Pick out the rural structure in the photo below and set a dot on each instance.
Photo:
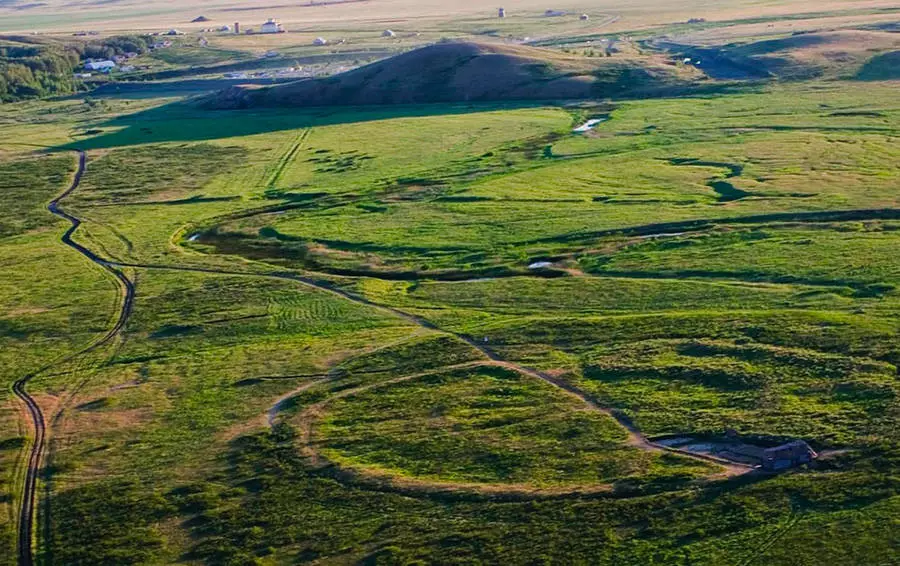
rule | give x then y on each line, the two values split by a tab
271	26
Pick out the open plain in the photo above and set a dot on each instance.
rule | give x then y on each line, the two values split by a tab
495	298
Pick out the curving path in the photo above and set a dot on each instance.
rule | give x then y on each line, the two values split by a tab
415	487
27	510
635	438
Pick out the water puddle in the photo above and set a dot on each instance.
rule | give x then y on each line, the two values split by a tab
589	125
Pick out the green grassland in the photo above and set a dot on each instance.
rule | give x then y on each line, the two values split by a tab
706	386
668	166
484	426
335	345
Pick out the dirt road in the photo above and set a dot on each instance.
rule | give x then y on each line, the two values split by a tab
635	438
27	510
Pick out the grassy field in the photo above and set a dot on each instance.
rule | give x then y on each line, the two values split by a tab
449	333
484	426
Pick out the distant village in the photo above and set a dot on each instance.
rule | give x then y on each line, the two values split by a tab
120	63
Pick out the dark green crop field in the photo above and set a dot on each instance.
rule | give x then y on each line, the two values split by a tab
454	333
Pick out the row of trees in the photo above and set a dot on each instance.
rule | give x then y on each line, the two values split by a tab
36	67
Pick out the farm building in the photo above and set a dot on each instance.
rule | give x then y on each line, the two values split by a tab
775	459
788	455
554	13
748	452
271	26
388	33
100	65
501	13
584	17
320	41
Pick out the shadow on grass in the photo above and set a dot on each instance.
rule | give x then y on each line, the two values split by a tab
884	67
185	121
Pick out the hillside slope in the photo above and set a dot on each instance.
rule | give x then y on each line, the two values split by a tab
835	54
824	54
463	72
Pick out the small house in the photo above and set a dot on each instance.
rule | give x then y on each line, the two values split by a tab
271	26
388	33
501	13
554	13
320	41
584	17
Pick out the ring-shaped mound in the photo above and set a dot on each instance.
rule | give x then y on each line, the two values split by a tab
486	425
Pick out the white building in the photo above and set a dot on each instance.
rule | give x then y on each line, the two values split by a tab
271	26
320	41
388	33
100	65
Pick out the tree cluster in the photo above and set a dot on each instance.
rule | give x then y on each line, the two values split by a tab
34	67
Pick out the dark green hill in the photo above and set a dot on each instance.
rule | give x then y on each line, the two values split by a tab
463	72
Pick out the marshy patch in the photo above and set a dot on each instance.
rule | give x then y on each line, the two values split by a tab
176	330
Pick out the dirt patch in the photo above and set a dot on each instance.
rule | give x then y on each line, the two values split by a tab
81	421
24	311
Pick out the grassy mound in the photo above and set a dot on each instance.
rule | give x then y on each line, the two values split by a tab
461	72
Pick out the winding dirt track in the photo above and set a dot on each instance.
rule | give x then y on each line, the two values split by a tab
28	507
635	438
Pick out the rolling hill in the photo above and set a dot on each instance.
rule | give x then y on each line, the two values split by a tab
829	54
464	72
